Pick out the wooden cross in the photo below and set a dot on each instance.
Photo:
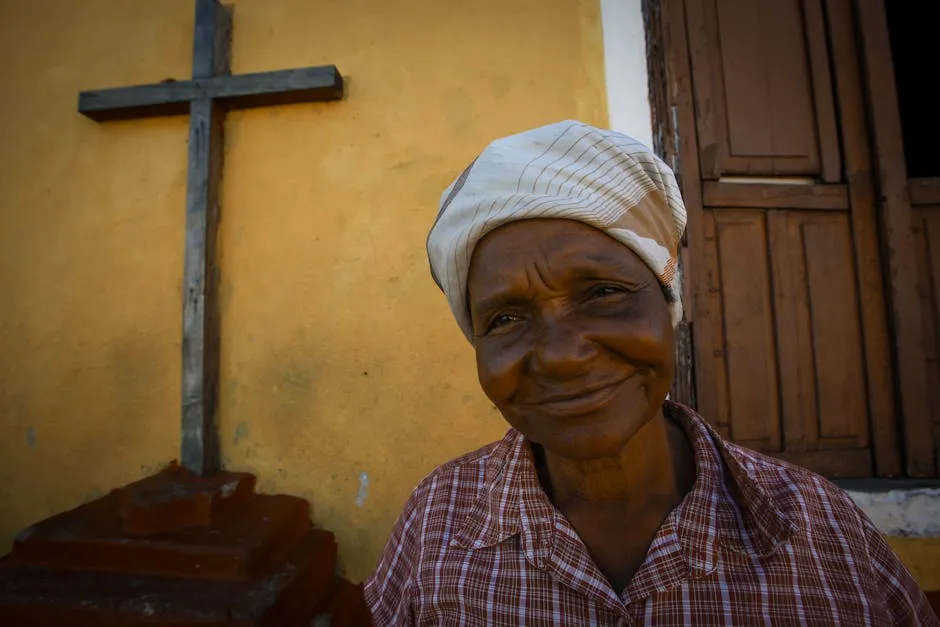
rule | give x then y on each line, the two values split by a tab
212	90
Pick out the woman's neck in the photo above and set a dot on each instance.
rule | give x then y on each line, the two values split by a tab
655	464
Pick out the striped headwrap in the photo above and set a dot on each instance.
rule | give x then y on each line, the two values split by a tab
567	170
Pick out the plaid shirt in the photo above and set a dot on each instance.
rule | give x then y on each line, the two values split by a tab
756	542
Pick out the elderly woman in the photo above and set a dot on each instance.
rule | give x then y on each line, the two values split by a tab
605	503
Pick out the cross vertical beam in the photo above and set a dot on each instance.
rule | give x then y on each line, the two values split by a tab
200	449
211	92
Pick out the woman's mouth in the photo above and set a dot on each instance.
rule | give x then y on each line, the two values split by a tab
578	402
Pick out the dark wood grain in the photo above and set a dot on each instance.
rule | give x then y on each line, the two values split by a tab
312	84
798	390
212	40
928	260
775	196
924	191
701	273
763	96
750	350
201	326
830	153
825	241
835	464
865	228
683	385
665	143
898	237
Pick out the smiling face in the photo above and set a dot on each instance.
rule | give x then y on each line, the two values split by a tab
573	336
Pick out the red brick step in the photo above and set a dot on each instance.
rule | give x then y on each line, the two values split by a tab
178	550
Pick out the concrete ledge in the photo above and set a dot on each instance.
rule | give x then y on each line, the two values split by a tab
904	513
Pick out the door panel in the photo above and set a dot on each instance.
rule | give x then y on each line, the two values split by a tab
792	355
762	88
747	310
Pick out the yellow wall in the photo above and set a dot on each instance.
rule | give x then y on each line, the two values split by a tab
344	378
922	558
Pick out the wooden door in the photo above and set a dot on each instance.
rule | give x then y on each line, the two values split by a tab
787	312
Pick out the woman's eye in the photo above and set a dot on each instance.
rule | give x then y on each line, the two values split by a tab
501	321
605	290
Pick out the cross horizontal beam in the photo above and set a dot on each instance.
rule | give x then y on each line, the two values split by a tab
241	91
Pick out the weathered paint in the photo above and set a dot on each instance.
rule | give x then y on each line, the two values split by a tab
910	513
363	492
344	379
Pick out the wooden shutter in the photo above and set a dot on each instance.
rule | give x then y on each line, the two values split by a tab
788	313
762	78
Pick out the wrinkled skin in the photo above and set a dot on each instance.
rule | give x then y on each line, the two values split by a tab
575	347
559	310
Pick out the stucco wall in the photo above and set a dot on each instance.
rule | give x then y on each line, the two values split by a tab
344	379
91	232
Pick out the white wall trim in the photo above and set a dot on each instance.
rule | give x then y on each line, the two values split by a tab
912	513
625	69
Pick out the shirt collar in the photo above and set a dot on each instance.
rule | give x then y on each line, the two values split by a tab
731	491
512	502
728	503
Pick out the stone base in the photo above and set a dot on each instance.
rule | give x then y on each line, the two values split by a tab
178	550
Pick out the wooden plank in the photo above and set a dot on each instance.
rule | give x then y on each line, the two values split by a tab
865	229
924	191
828	131
212	38
929	260
790	113
845	464
776	196
750	344
683	387
897	220
261	89
702	273
794	333
714	355
708	116
656	71
200	449
837	356
739	48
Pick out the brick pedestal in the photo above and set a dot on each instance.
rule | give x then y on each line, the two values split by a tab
173	549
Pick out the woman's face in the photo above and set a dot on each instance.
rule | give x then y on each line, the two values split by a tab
573	336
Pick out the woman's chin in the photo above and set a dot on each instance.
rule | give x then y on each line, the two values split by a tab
587	442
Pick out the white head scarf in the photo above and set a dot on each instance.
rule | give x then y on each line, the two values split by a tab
567	170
